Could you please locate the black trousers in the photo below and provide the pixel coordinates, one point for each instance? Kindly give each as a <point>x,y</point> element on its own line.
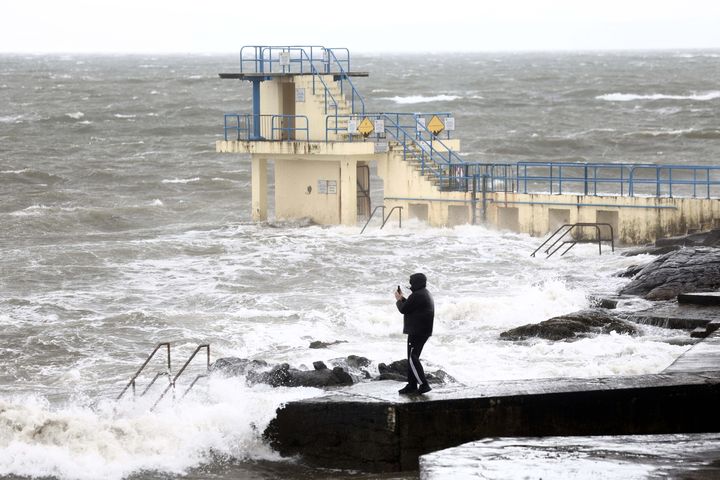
<point>415,374</point>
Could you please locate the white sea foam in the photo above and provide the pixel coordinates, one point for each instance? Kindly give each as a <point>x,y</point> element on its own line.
<point>411,99</point>
<point>11,119</point>
<point>112,441</point>
<point>124,115</point>
<point>181,180</point>
<point>628,97</point>
<point>75,115</point>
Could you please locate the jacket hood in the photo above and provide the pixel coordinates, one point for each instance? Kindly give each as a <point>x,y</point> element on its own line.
<point>418,281</point>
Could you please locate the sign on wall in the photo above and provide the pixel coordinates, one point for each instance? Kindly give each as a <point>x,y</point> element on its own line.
<point>284,59</point>
<point>300,95</point>
<point>327,187</point>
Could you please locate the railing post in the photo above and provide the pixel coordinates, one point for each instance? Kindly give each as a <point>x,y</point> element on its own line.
<point>708,183</point>
<point>473,201</point>
<point>256,108</point>
<point>484,197</point>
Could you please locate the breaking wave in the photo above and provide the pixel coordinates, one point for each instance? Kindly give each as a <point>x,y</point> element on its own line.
<point>412,99</point>
<point>629,97</point>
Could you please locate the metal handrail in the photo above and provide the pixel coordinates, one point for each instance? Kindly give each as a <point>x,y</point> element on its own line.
<point>399,209</point>
<point>244,122</point>
<point>379,207</point>
<point>174,380</point>
<point>192,384</point>
<point>384,217</point>
<point>569,227</point>
<point>152,382</point>
<point>317,74</point>
<point>142,367</point>
<point>354,91</point>
<point>296,129</point>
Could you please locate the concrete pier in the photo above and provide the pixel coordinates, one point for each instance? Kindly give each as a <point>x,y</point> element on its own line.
<point>372,428</point>
<point>309,121</point>
<point>679,456</point>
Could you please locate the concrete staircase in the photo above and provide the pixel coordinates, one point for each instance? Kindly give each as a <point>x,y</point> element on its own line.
<point>706,299</point>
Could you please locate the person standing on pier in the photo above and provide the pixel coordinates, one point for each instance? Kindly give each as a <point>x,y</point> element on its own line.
<point>418,315</point>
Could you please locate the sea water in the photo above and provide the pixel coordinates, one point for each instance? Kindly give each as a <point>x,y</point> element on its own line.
<point>122,228</point>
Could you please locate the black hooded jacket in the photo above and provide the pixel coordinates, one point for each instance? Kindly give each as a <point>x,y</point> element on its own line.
<point>418,309</point>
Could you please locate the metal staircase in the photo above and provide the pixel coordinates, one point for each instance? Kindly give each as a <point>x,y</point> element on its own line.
<point>172,380</point>
<point>342,103</point>
<point>558,239</point>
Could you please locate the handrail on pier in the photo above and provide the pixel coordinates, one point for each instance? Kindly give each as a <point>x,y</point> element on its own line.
<point>565,229</point>
<point>384,217</point>
<point>399,209</point>
<point>174,380</point>
<point>142,367</point>
<point>171,380</point>
<point>372,214</point>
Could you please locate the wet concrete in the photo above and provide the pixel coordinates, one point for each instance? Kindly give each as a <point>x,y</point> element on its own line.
<point>706,298</point>
<point>370,427</point>
<point>695,456</point>
<point>700,358</point>
<point>677,315</point>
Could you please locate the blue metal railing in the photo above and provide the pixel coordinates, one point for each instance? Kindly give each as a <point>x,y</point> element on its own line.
<point>588,179</point>
<point>239,126</point>
<point>354,93</point>
<point>435,158</point>
<point>267,58</point>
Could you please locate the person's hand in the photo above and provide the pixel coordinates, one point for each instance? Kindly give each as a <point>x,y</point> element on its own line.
<point>398,295</point>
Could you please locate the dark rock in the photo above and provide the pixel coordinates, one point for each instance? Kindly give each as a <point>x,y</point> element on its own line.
<point>278,376</point>
<point>397,371</point>
<point>650,250</point>
<point>572,326</point>
<point>342,376</point>
<point>694,269</point>
<point>357,361</point>
<point>607,303</point>
<point>706,239</point>
<point>631,271</point>
<point>344,371</point>
<point>236,367</point>
<point>662,246</point>
<point>285,376</point>
<point>318,344</point>
<point>355,365</point>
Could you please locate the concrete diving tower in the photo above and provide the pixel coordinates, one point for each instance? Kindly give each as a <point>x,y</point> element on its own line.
<point>310,120</point>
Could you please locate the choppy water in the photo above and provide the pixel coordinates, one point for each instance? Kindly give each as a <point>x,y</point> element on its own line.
<point>121,228</point>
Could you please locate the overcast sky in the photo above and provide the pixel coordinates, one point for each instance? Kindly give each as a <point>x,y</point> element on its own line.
<point>158,26</point>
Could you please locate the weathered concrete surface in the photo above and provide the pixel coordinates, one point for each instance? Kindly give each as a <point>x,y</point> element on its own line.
<point>370,427</point>
<point>702,357</point>
<point>572,326</point>
<point>706,298</point>
<point>695,269</point>
<point>710,238</point>
<point>674,315</point>
<point>680,456</point>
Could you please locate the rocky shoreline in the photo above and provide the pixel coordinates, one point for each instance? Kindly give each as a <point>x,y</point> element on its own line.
<point>684,265</point>
<point>342,372</point>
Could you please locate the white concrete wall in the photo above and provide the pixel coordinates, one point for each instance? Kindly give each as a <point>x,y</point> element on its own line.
<point>297,194</point>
